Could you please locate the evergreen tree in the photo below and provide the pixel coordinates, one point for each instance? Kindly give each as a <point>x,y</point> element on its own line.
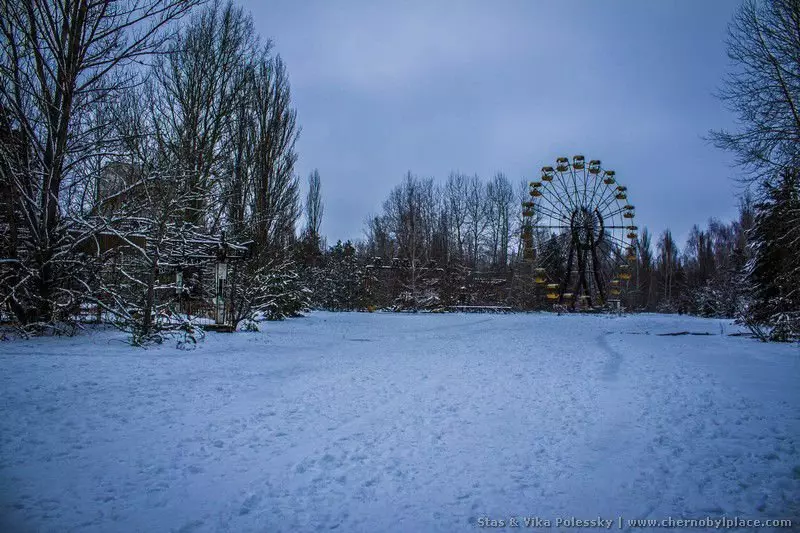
<point>342,285</point>
<point>774,270</point>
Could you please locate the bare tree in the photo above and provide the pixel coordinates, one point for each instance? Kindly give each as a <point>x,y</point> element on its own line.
<point>59,62</point>
<point>668,262</point>
<point>410,215</point>
<point>379,241</point>
<point>441,240</point>
<point>456,198</point>
<point>135,295</point>
<point>275,188</point>
<point>311,247</point>
<point>139,203</point>
<point>763,89</point>
<point>500,200</point>
<point>476,217</point>
<point>199,86</point>
<point>223,111</point>
<point>314,207</point>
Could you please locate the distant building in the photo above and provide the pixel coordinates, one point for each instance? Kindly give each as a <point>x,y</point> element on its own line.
<point>117,185</point>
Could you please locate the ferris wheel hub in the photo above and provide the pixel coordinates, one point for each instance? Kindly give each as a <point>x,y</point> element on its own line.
<point>586,226</point>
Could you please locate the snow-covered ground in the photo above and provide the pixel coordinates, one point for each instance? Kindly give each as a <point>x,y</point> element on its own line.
<point>386,422</point>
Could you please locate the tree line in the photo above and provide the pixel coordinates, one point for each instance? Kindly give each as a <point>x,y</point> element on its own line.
<point>468,229</point>
<point>147,173</point>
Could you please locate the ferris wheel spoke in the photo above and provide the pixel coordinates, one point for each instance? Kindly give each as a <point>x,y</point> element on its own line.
<point>608,196</point>
<point>613,237</point>
<point>608,211</point>
<point>550,219</point>
<point>575,186</point>
<point>573,191</point>
<point>614,241</point>
<point>597,183</point>
<point>617,240</point>
<point>585,188</point>
<point>619,211</point>
<point>557,209</point>
<point>555,212</point>
<point>557,196</point>
<point>566,191</point>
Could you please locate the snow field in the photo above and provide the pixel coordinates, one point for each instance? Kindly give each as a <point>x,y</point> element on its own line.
<point>386,422</point>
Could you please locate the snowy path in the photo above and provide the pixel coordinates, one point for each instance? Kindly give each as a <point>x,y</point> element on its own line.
<point>381,422</point>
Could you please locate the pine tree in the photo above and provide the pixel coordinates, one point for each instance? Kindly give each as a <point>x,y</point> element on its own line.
<point>343,288</point>
<point>774,270</point>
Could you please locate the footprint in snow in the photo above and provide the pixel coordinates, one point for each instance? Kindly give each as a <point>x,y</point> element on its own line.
<point>249,504</point>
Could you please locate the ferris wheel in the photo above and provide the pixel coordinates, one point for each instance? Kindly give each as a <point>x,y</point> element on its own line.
<point>579,234</point>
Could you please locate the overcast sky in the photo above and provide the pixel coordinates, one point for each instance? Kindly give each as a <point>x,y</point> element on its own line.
<point>432,86</point>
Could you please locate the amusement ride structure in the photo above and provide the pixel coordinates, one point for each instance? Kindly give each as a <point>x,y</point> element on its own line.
<point>578,235</point>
